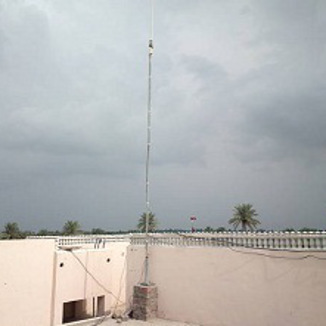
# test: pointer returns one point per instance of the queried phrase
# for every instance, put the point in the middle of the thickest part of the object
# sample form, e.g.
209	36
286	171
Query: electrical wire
276	257
120	283
130	299
230	245
110	314
96	280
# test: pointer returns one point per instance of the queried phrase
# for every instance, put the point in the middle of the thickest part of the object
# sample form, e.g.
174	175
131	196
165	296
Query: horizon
238	112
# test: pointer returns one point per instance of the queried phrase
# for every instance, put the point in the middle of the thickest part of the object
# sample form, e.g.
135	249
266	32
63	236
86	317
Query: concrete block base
145	302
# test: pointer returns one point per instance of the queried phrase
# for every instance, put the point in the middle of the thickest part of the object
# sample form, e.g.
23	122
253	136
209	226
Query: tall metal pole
149	125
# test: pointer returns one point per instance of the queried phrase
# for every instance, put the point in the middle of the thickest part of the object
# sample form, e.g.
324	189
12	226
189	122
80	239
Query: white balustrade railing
95	241
260	240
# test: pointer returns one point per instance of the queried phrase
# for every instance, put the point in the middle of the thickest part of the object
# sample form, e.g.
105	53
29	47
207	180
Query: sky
238	112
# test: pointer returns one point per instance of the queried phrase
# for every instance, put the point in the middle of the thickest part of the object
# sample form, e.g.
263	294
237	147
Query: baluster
323	240
267	241
295	243
247	242
233	240
257	240
240	241
300	241
313	242
260	242
305	241
287	241
318	241
277	242
281	241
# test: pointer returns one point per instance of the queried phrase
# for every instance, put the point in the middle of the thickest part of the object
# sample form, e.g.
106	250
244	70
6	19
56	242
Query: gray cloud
238	111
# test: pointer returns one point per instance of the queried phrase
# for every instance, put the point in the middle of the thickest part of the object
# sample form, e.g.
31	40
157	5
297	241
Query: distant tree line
244	216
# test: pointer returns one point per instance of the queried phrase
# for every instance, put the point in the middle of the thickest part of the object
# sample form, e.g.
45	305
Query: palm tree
43	232
152	222
12	231
71	228
244	214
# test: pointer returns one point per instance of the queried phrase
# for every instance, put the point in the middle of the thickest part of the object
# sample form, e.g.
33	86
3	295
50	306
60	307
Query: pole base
145	302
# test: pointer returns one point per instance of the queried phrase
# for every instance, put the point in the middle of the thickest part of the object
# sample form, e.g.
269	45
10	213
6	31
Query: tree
288	230
12	231
152	222
306	229
71	228
98	231
244	215
43	232
208	229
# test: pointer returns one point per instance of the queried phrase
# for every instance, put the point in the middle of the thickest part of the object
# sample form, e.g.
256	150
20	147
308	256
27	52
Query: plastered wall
87	274
36	280
26	273
206	286
220	287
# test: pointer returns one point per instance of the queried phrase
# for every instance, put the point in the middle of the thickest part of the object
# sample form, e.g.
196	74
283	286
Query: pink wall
217	286
33	286
206	286
102	278
26	274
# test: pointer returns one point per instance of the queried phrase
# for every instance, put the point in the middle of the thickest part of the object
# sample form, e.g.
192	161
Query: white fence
95	241
263	240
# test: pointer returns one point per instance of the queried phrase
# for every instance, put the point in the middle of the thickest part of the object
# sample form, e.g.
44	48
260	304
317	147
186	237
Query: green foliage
288	230
208	229
71	228
221	229
44	232
152	222
12	231
98	231
27	233
306	229
244	215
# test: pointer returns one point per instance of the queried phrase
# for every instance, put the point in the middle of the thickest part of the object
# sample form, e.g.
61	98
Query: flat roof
131	322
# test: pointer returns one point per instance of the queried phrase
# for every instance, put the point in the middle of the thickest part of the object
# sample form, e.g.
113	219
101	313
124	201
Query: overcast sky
239	112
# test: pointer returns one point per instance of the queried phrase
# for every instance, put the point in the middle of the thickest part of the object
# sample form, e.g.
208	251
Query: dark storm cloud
66	105
193	109
281	104
238	104
296	124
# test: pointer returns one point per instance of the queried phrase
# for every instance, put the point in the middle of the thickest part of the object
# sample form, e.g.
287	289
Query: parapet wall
198	281
261	240
235	286
37	282
26	282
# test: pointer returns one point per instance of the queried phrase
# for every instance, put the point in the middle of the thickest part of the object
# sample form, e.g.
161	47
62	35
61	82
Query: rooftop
130	322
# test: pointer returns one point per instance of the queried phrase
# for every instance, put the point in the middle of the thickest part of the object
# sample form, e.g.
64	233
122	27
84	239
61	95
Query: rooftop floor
132	322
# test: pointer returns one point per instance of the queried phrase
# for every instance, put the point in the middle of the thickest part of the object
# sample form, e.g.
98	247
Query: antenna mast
149	116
